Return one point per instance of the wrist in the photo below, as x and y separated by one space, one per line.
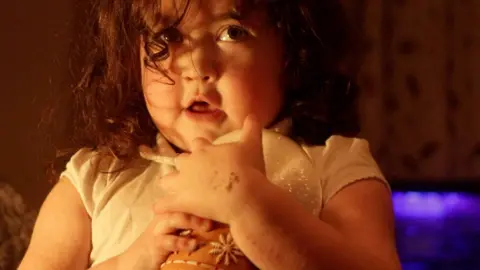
250 197
112 263
131 259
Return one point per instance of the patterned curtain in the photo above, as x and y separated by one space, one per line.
420 80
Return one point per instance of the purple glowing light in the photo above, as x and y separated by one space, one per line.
433 204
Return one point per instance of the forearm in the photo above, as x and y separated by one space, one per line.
122 262
111 264
278 234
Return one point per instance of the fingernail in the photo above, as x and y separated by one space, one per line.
185 233
157 229
201 244
206 225
192 244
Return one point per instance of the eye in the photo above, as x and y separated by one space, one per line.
170 35
157 47
233 33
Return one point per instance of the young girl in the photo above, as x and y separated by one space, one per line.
176 75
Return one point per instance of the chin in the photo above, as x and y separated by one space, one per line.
209 134
182 138
206 135
184 142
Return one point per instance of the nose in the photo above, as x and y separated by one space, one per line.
198 63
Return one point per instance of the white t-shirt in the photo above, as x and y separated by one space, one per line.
119 201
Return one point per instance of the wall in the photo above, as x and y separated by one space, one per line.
33 50
421 89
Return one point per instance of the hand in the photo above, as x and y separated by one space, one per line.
159 240
213 180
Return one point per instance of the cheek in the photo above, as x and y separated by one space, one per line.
253 73
257 69
252 90
162 100
158 93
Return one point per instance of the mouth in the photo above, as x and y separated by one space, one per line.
201 107
204 111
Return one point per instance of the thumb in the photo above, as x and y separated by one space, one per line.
251 131
252 139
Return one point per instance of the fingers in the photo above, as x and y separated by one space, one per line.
251 138
178 160
173 243
166 238
252 131
196 145
171 222
200 143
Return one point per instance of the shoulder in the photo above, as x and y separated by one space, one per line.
87 160
343 161
87 170
350 148
340 150
97 175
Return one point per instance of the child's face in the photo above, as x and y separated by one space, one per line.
235 68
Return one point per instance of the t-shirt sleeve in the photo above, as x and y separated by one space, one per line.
345 161
83 172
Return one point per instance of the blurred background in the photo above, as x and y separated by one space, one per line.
419 105
420 110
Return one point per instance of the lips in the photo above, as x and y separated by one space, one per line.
201 107
200 110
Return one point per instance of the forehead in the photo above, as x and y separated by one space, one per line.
167 12
174 7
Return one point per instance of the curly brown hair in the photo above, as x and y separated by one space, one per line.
106 109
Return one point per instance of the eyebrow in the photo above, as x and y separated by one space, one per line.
231 14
